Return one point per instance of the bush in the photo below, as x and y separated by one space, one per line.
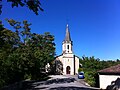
90 78
80 69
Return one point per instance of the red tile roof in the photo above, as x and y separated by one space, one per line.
112 69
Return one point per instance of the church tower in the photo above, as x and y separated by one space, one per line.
67 43
70 62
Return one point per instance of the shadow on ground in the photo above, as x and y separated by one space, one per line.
66 88
34 85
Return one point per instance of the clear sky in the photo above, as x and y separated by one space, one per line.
94 24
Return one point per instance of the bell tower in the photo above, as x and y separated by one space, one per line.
70 62
67 43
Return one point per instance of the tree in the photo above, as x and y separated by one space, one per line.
7 43
35 50
24 55
91 66
33 5
56 67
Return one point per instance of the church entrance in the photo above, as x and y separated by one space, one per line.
68 70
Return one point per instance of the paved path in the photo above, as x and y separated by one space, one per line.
62 82
56 82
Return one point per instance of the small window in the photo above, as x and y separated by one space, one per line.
67 46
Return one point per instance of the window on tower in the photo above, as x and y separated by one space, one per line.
67 46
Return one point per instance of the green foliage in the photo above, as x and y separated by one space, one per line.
24 55
89 77
56 67
92 65
33 5
80 69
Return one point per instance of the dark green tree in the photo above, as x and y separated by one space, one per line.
33 5
24 55
7 44
91 66
56 67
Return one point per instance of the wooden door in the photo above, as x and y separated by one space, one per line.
68 70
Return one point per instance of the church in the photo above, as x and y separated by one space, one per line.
69 61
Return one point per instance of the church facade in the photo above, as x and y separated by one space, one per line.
69 61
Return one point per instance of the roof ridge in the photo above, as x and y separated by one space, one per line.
112 69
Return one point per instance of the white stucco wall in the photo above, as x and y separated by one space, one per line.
105 80
76 65
68 60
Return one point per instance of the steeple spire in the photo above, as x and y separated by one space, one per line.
67 43
67 36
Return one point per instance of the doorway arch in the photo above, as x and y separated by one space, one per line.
68 70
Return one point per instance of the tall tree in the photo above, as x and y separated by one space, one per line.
24 55
7 43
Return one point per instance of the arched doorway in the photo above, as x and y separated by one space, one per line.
68 70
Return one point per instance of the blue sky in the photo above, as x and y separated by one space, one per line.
94 24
